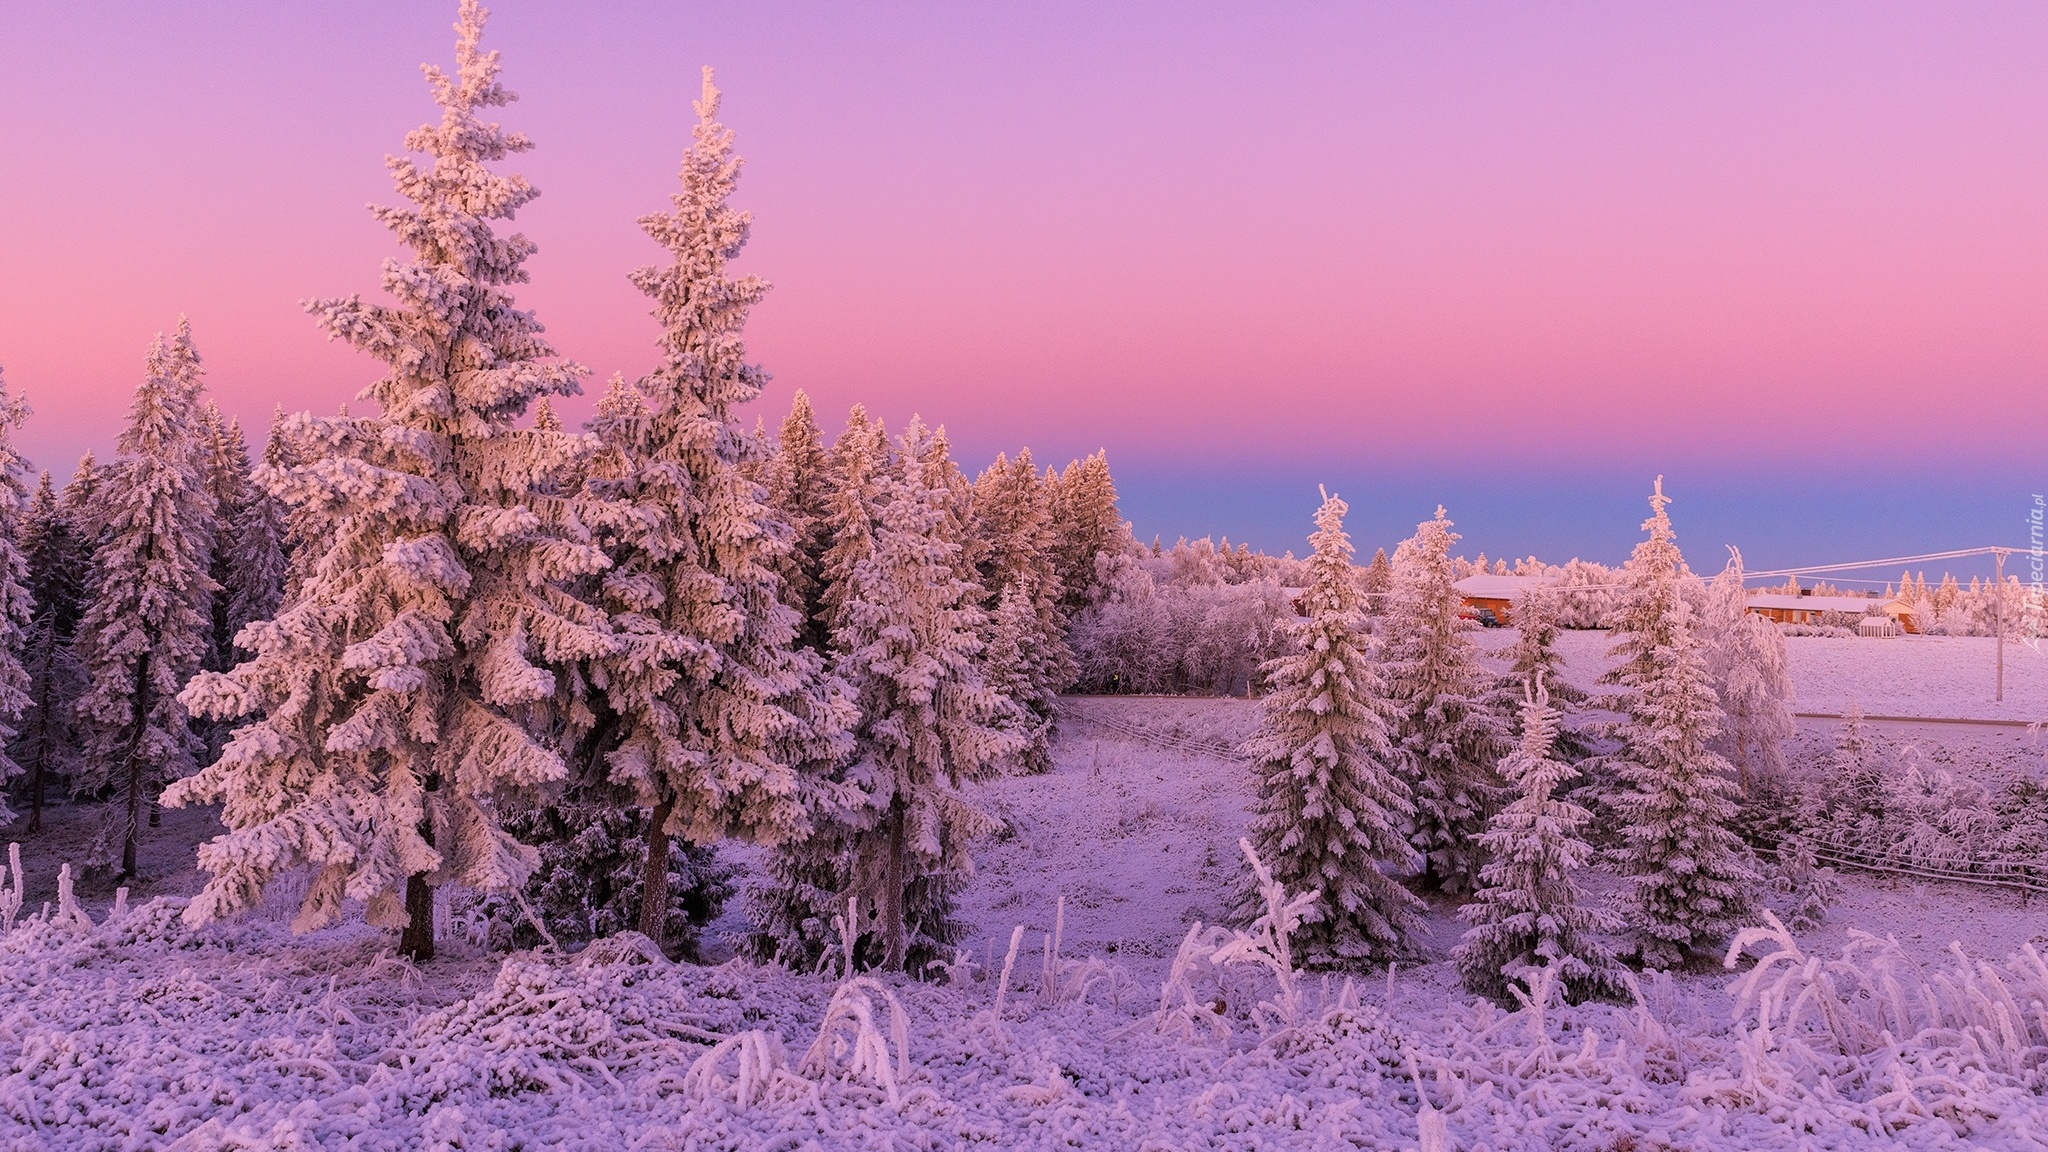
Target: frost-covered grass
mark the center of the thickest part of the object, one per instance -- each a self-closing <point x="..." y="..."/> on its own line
<point x="137" y="1032"/>
<point x="1123" y="1022"/>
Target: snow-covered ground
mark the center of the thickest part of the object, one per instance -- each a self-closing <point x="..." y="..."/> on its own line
<point x="138" y="1033"/>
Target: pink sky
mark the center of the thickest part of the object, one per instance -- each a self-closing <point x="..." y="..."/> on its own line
<point x="1611" y="237"/>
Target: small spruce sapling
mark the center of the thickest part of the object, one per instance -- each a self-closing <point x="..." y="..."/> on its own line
<point x="1529" y="910"/>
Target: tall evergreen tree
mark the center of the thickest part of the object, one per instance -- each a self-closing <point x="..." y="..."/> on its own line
<point x="1529" y="910"/>
<point x="17" y="606"/>
<point x="1452" y="736"/>
<point x="148" y="623"/>
<point x="1090" y="525"/>
<point x="396" y="696"/>
<point x="860" y="461"/>
<point x="716" y="716"/>
<point x="223" y="466"/>
<point x="46" y="748"/>
<point x="1378" y="580"/>
<point x="1019" y="559"/>
<point x="1752" y="674"/>
<point x="799" y="486"/>
<point x="1331" y="798"/>
<point x="930" y="728"/>
<point x="1690" y="875"/>
<point x="79" y="502"/>
<point x="254" y="545"/>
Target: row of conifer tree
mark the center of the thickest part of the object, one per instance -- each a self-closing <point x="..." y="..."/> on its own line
<point x="450" y="642"/>
<point x="1391" y="759"/>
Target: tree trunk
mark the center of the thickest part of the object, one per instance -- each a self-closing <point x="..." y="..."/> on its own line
<point x="654" y="871"/>
<point x="37" y="770"/>
<point x="892" y="894"/>
<point x="1742" y="761"/>
<point x="141" y="721"/>
<point x="416" y="943"/>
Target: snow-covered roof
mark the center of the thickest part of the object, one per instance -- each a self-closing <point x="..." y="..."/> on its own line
<point x="1855" y="604"/>
<point x="1491" y="587"/>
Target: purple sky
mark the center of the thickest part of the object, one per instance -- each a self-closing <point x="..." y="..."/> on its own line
<point x="1515" y="258"/>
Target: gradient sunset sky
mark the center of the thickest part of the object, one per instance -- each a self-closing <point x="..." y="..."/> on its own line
<point x="1516" y="258"/>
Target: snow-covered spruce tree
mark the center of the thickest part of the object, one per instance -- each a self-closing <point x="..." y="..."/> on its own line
<point x="1852" y="800"/>
<point x="1529" y="910"/>
<point x="79" y="502"/>
<point x="1015" y="663"/>
<point x="1331" y="795"/>
<point x="1752" y="678"/>
<point x="860" y="461"/>
<point x="1535" y="651"/>
<point x="1013" y="514"/>
<point x="17" y="606"/>
<point x="799" y="484"/>
<point x="592" y="842"/>
<point x="1690" y="874"/>
<point x="254" y="544"/>
<point x="930" y="728"/>
<point x="1452" y="735"/>
<point x="148" y="623"/>
<point x="46" y="747"/>
<point x="1090" y="526"/>
<point x="1378" y="580"/>
<point x="393" y="698"/>
<point x="223" y="465"/>
<point x="711" y="711"/>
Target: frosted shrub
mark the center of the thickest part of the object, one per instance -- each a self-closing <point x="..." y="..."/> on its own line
<point x="760" y="1072"/>
<point x="1268" y="945"/>
<point x="11" y="895"/>
<point x="1871" y="1039"/>
<point x="851" y="1043"/>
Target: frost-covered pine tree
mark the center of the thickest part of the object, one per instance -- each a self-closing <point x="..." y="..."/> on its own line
<point x="1019" y="545"/>
<point x="712" y="713"/>
<point x="860" y="461"/>
<point x="1090" y="528"/>
<point x="1529" y="910"/>
<point x="254" y="544"/>
<point x="395" y="697"/>
<point x="1015" y="664"/>
<point x="1533" y="652"/>
<point x="148" y="623"/>
<point x="17" y="606"/>
<point x="1378" y="580"/>
<point x="1690" y="875"/>
<point x="1852" y="800"/>
<point x="1452" y="735"/>
<point x="46" y="747"/>
<point x="931" y="727"/>
<point x="1331" y="798"/>
<point x="1752" y="678"/>
<point x="799" y="487"/>
<point x="223" y="463"/>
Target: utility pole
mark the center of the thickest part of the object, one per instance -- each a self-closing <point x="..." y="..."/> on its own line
<point x="1998" y="615"/>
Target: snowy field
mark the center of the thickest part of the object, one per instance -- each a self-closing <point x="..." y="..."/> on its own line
<point x="133" y="1032"/>
<point x="1933" y="676"/>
